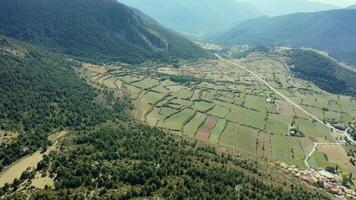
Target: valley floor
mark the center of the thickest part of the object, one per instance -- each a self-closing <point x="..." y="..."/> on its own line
<point x="250" y="106"/>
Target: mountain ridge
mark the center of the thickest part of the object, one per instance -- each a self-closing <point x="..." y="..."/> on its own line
<point x="196" y="18"/>
<point x="106" y="30"/>
<point x="331" y="31"/>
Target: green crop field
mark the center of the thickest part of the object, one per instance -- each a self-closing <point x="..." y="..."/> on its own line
<point x="192" y="127"/>
<point x="216" y="133"/>
<point x="229" y="136"/>
<point x="184" y="93"/>
<point x="255" y="102"/>
<point x="314" y="129"/>
<point x="134" y="92"/>
<point x="152" y="97"/>
<point x="247" y="117"/>
<point x="246" y="139"/>
<point x="219" y="111"/>
<point x="278" y="124"/>
<point x="153" y="117"/>
<point x="202" y="106"/>
<point x="167" y="111"/>
<point x="146" y="83"/>
<point x="178" y="120"/>
<point x="246" y="122"/>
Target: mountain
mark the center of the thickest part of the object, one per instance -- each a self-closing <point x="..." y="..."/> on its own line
<point x="96" y="29"/>
<point x="198" y="17"/>
<point x="40" y="92"/>
<point x="283" y="7"/>
<point x="352" y="7"/>
<point x="332" y="31"/>
<point x="323" y="71"/>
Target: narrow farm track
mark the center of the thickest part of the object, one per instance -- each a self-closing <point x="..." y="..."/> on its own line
<point x="313" y="150"/>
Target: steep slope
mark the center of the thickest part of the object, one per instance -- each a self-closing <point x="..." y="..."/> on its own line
<point x="103" y="29"/>
<point x="40" y="92"/>
<point x="132" y="161"/>
<point x="197" y="17"/>
<point x="323" y="71"/>
<point x="333" y="31"/>
<point x="283" y="7"/>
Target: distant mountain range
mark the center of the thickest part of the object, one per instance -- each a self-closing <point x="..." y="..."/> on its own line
<point x="95" y="29"/>
<point x="283" y="7"/>
<point x="198" y="17"/>
<point x="352" y="7"/>
<point x="333" y="31"/>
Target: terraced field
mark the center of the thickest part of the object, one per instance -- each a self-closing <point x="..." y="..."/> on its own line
<point x="230" y="108"/>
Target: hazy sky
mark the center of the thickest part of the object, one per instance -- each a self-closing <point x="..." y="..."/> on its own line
<point x="341" y="3"/>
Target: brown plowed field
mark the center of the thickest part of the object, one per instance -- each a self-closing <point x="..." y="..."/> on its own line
<point x="205" y="130"/>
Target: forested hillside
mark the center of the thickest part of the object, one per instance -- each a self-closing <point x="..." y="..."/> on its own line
<point x="125" y="162"/>
<point x="40" y="92"/>
<point x="323" y="71"/>
<point x="332" y="31"/>
<point x="93" y="29"/>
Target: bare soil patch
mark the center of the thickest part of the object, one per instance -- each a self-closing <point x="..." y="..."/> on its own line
<point x="208" y="126"/>
<point x="10" y="173"/>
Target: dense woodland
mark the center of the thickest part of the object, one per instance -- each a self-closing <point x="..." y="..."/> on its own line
<point x="323" y="71"/>
<point x="127" y="161"/>
<point x="41" y="92"/>
<point x="103" y="30"/>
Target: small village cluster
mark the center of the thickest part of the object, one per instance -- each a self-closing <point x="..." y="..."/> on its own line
<point x="328" y="181"/>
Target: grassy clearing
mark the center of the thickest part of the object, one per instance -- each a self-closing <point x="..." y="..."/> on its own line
<point x="178" y="120"/>
<point x="229" y="136"/>
<point x="278" y="124"/>
<point x="192" y="127"/>
<point x="219" y="128"/>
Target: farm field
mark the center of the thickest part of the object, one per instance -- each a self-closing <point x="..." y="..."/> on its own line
<point x="226" y="106"/>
